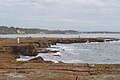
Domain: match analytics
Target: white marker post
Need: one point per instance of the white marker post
(78, 36)
(18, 40)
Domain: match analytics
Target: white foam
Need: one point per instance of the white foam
(84, 49)
(51, 60)
(24, 58)
(53, 45)
(53, 49)
(57, 54)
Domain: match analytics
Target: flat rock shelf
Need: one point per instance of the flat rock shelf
(10, 69)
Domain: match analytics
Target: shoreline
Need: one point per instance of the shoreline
(37, 68)
(32, 46)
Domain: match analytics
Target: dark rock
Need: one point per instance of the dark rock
(17, 56)
(60, 62)
(55, 51)
(44, 44)
(37, 59)
(43, 50)
(26, 50)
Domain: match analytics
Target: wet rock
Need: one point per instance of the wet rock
(26, 50)
(44, 50)
(44, 44)
(37, 59)
(60, 62)
(17, 56)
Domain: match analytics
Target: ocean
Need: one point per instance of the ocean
(93, 53)
(98, 53)
(60, 35)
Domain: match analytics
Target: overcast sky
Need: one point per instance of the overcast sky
(82, 15)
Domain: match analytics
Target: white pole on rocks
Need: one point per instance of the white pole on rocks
(78, 36)
(18, 40)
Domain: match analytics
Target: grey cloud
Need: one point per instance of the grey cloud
(89, 14)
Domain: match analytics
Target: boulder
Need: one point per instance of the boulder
(37, 59)
(24, 49)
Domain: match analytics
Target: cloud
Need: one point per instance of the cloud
(69, 13)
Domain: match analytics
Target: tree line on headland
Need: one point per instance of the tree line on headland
(16, 30)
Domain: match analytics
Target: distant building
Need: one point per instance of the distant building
(20, 32)
(41, 32)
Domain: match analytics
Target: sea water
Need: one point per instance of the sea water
(60, 35)
(101, 53)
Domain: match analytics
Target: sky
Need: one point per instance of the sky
(80, 15)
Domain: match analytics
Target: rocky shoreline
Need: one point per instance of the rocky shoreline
(38, 69)
(33, 46)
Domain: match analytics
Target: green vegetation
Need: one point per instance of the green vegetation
(13, 30)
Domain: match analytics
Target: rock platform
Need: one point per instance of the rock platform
(10, 69)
